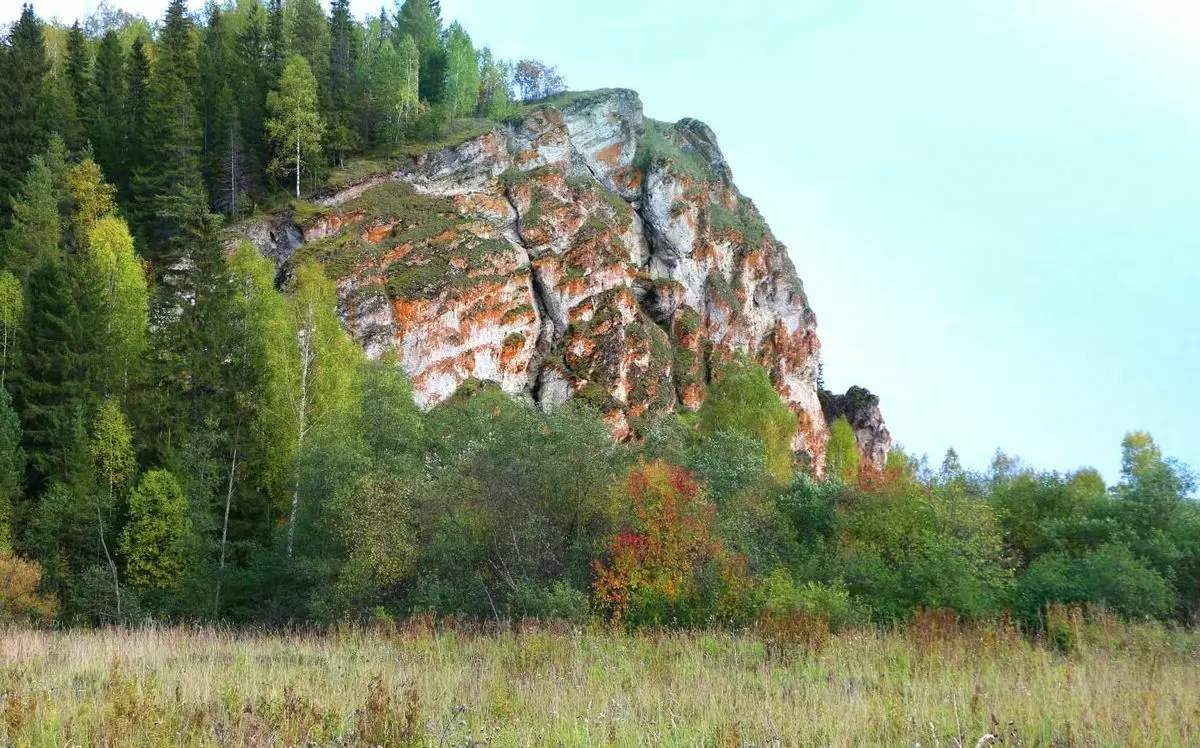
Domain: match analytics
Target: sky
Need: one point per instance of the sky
(994, 205)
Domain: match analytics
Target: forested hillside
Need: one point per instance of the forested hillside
(188, 431)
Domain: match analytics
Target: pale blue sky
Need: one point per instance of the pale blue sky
(994, 204)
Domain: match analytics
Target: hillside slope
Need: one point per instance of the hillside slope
(582, 251)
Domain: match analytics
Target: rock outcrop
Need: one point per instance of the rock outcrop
(584, 251)
(861, 409)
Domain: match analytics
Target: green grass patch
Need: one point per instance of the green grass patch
(663, 146)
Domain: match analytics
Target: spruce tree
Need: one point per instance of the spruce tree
(276, 48)
(79, 77)
(218, 114)
(132, 127)
(50, 384)
(36, 230)
(171, 136)
(308, 36)
(24, 131)
(253, 78)
(417, 19)
(342, 96)
(105, 118)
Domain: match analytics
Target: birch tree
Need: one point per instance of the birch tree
(112, 454)
(322, 372)
(294, 125)
(12, 310)
(395, 86)
(462, 73)
(125, 298)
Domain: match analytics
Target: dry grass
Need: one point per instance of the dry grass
(932, 684)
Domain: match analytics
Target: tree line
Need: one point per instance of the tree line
(184, 437)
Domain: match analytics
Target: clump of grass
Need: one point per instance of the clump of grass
(661, 145)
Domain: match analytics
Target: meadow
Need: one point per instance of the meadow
(931, 682)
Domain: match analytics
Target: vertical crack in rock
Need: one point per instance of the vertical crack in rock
(537, 292)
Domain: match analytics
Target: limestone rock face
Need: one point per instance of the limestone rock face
(584, 251)
(861, 410)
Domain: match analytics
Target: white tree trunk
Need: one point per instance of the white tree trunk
(297, 165)
(306, 359)
(225, 531)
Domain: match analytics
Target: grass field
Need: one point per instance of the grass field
(927, 684)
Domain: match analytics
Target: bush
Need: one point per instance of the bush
(780, 595)
(742, 399)
(20, 600)
(1111, 576)
(556, 601)
(667, 567)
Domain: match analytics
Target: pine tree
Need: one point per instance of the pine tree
(24, 131)
(295, 125)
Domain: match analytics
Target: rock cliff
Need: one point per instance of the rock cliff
(582, 251)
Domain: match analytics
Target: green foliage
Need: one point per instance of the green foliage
(742, 399)
(395, 87)
(462, 73)
(155, 539)
(781, 596)
(122, 303)
(729, 462)
(24, 125)
(842, 457)
(112, 445)
(1111, 576)
(417, 19)
(33, 237)
(295, 125)
(168, 139)
(12, 467)
(662, 146)
(317, 491)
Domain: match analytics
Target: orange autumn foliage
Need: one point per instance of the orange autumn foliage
(19, 598)
(667, 566)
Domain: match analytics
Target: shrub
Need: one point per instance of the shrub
(1110, 576)
(20, 601)
(780, 595)
(667, 567)
(555, 601)
(742, 399)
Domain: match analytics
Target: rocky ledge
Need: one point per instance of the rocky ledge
(583, 251)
